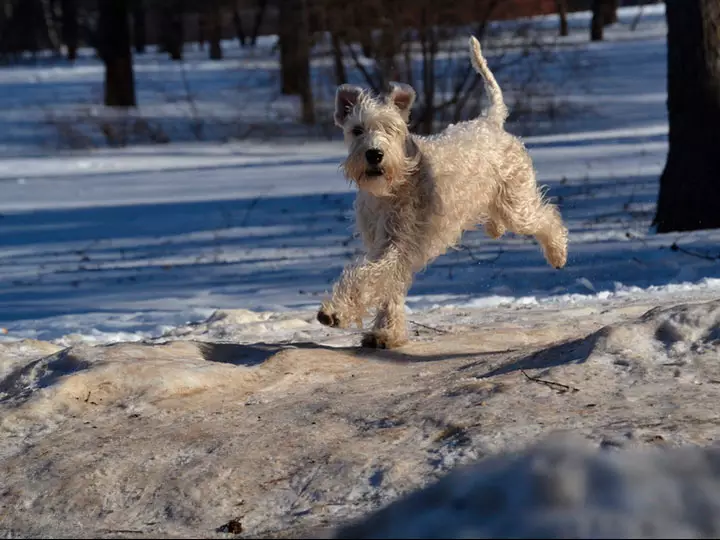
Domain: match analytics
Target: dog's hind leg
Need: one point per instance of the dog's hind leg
(522, 208)
(494, 228)
(390, 327)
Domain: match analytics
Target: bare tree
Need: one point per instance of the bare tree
(294, 34)
(48, 25)
(70, 27)
(689, 196)
(604, 13)
(239, 30)
(116, 53)
(139, 26)
(257, 23)
(562, 13)
(171, 28)
(215, 23)
(597, 22)
(610, 8)
(338, 60)
(408, 46)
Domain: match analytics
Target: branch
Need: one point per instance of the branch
(675, 247)
(433, 328)
(360, 67)
(561, 388)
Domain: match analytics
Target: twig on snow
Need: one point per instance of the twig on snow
(433, 328)
(675, 247)
(561, 388)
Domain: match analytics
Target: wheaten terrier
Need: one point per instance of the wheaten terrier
(418, 194)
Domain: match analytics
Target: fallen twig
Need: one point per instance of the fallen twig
(476, 259)
(554, 385)
(433, 328)
(675, 247)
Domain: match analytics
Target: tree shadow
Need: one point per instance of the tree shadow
(576, 351)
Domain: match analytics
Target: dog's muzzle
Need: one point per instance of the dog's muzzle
(374, 156)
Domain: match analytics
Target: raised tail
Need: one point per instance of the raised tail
(498, 112)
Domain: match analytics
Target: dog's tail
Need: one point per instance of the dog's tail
(498, 112)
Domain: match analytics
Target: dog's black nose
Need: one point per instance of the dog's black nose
(374, 156)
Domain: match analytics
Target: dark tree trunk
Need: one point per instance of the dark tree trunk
(34, 10)
(340, 73)
(596, 25)
(139, 32)
(215, 32)
(295, 55)
(239, 32)
(288, 51)
(116, 54)
(689, 196)
(610, 12)
(70, 28)
(562, 12)
(202, 30)
(259, 16)
(172, 32)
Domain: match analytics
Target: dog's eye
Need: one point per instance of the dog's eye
(357, 131)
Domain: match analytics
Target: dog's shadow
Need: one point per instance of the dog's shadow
(255, 354)
(576, 351)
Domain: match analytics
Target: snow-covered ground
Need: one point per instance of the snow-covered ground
(125, 244)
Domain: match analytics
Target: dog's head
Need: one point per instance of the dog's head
(381, 153)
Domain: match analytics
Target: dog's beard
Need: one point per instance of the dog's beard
(375, 179)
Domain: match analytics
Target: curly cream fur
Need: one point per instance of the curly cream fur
(424, 194)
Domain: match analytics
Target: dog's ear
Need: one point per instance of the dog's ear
(402, 96)
(346, 97)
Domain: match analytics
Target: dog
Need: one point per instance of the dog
(417, 195)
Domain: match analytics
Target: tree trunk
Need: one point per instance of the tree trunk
(139, 32)
(215, 32)
(610, 12)
(259, 16)
(48, 27)
(239, 32)
(596, 25)
(295, 55)
(340, 73)
(172, 29)
(562, 12)
(70, 28)
(689, 196)
(202, 21)
(116, 54)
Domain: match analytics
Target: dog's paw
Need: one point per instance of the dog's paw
(372, 341)
(328, 319)
(381, 340)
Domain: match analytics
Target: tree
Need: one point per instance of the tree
(116, 53)
(172, 35)
(562, 12)
(604, 13)
(257, 24)
(689, 196)
(70, 27)
(139, 33)
(609, 8)
(238, 24)
(294, 37)
(215, 19)
(596, 24)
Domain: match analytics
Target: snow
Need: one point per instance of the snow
(126, 244)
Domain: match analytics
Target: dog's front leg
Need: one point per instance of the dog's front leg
(379, 279)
